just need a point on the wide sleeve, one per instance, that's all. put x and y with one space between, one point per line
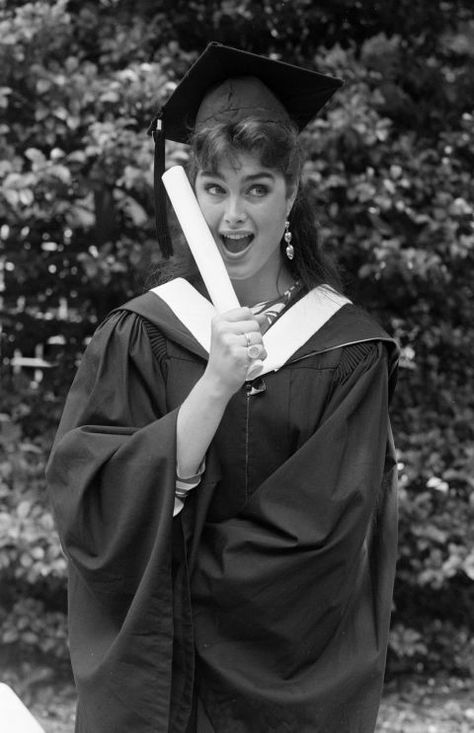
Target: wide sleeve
111 473
112 481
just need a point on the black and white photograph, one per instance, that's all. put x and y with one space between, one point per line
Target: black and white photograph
237 374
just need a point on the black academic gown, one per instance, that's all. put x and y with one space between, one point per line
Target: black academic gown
270 593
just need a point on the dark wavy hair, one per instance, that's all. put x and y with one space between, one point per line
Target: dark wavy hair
277 147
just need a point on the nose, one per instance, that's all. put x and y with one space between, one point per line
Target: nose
234 211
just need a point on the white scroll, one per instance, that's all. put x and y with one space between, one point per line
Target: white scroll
200 240
14 716
202 245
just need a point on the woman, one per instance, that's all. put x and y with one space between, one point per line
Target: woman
232 540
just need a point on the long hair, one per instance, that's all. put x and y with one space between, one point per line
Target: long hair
277 147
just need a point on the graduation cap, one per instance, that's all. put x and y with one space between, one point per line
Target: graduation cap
228 84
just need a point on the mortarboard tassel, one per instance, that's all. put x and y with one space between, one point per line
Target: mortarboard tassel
161 219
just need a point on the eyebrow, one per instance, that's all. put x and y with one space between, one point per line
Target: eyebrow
249 178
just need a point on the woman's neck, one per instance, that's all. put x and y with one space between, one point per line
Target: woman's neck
260 287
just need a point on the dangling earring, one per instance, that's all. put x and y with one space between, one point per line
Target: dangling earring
290 250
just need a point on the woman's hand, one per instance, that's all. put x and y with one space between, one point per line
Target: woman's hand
236 342
233 335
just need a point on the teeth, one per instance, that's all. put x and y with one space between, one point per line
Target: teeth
236 236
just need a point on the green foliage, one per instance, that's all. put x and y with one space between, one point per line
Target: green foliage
389 171
32 566
439 647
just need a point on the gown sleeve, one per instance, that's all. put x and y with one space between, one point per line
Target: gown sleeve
112 482
112 470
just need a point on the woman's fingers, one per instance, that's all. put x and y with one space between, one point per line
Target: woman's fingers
237 314
261 319
237 327
236 345
248 342
240 320
250 338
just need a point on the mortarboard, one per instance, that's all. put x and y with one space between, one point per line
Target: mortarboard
226 83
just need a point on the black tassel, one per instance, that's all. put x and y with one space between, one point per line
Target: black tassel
161 219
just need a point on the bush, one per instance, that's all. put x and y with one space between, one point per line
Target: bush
32 565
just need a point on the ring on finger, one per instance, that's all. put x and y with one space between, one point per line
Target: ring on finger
254 351
247 338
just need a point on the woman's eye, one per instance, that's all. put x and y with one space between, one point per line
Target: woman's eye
259 190
214 189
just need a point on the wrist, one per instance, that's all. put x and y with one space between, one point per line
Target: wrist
214 389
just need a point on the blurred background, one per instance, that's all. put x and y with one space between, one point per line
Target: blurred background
390 172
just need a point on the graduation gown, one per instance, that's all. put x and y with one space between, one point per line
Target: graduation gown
270 593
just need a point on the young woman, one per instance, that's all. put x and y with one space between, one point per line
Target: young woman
231 540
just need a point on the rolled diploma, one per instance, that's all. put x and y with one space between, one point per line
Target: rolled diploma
200 240
14 716
202 245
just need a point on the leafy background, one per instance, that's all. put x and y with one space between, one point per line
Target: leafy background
389 169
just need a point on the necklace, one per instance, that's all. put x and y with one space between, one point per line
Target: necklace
273 307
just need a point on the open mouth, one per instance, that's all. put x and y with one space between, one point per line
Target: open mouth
236 243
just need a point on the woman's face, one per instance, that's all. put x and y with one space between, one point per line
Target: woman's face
245 206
